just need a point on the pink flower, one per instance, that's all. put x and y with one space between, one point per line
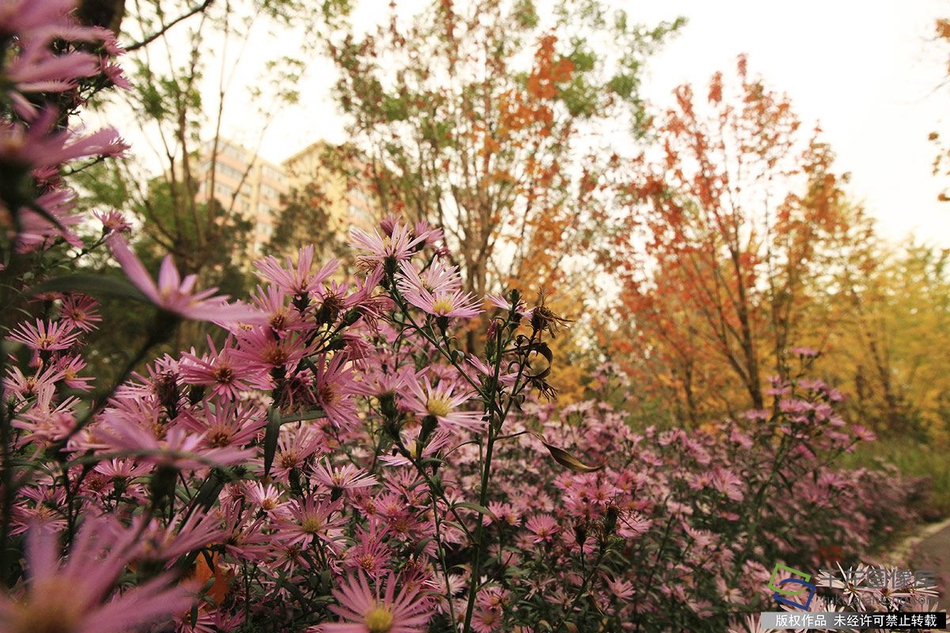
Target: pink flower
335 388
295 280
370 554
79 311
367 612
342 479
36 231
45 336
500 302
438 276
175 295
177 449
543 526
442 403
113 221
35 69
385 252
221 370
225 424
267 499
436 292
38 146
74 596
311 519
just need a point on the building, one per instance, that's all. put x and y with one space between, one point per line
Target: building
243 183
351 201
248 185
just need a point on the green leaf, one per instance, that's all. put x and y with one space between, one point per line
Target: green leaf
271 433
96 285
567 460
477 508
309 415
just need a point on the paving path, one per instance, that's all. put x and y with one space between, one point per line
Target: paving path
930 550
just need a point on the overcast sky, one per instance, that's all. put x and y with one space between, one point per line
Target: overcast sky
868 72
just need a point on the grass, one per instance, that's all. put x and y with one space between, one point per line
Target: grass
914 460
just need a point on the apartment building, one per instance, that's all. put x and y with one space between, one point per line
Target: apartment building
253 187
351 201
244 183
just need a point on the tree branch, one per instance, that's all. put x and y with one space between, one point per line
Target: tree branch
154 36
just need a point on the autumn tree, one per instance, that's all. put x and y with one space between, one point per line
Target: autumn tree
475 116
888 313
725 228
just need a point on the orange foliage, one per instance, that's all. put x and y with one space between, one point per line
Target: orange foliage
723 234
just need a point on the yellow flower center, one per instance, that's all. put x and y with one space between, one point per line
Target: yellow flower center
219 436
443 305
379 620
328 395
312 525
224 375
438 407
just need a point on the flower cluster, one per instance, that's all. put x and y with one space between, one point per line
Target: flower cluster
50 65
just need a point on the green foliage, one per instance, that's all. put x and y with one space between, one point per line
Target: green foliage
307 218
914 460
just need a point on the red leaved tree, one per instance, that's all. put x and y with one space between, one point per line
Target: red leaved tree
726 227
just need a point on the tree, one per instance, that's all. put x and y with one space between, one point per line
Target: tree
307 218
723 238
890 313
476 116
183 57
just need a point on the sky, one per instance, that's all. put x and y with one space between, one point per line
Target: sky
869 73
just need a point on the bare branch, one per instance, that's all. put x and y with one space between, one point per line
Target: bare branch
154 36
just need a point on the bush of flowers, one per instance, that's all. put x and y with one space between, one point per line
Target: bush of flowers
340 462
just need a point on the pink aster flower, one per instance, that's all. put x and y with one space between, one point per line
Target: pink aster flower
225 424
428 234
221 370
342 479
370 552
35 69
37 232
335 388
384 251
173 294
367 612
311 519
113 221
75 596
268 499
445 304
445 299
80 311
502 303
177 449
443 403
40 146
543 526
46 422
295 280
439 276
45 336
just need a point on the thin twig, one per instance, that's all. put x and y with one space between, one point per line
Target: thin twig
181 18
